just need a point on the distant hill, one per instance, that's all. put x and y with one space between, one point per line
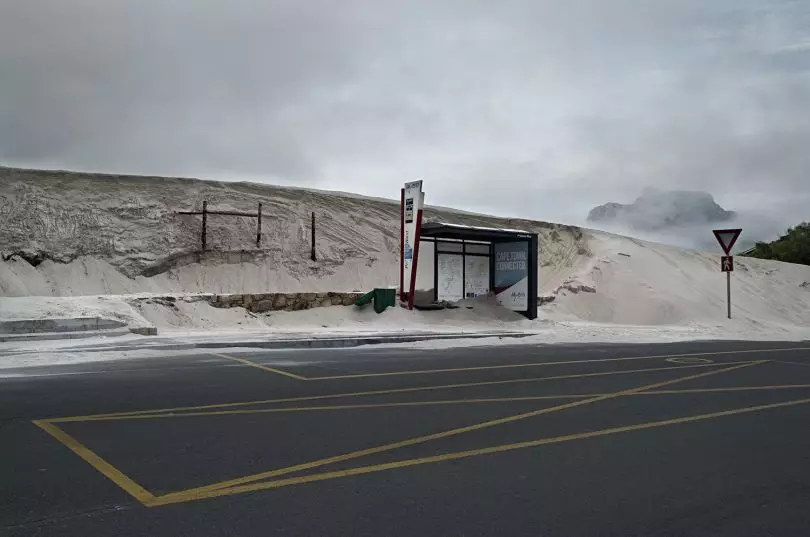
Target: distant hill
792 247
660 209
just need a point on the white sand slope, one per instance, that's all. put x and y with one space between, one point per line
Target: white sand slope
110 235
646 283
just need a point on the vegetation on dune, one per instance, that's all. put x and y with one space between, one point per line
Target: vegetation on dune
792 247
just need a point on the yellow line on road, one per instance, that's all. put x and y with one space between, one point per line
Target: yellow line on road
107 469
260 366
121 415
689 360
342 407
439 402
805 364
202 494
729 389
542 364
445 434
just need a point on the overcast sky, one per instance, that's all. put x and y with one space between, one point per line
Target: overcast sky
538 109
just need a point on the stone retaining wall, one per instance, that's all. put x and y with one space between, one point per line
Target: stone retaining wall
80 324
258 303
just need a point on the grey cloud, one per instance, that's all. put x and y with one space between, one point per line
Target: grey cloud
163 86
527 108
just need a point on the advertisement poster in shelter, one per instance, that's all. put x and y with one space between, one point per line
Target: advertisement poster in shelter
511 276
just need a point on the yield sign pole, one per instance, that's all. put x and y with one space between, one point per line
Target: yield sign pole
727 238
728 293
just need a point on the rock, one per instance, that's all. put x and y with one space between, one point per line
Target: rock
336 300
221 302
348 300
299 305
325 302
280 301
144 330
262 306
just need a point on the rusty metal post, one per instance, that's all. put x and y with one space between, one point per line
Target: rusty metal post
312 254
259 228
204 222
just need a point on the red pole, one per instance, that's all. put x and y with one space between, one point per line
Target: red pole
415 262
402 244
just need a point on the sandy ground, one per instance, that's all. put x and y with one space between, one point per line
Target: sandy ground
106 237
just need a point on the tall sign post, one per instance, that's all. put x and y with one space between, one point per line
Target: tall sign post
413 200
727 238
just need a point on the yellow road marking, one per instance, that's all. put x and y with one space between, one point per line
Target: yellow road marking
729 389
805 364
445 434
342 407
439 402
260 366
202 494
541 364
385 392
107 469
689 360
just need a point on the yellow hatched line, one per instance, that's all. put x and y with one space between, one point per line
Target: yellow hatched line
542 364
202 494
443 434
260 366
249 483
108 470
341 407
482 400
384 392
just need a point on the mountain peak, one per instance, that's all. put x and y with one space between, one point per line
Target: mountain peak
658 209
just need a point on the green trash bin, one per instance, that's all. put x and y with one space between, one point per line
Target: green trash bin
382 297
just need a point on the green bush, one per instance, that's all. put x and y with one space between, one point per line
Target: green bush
793 247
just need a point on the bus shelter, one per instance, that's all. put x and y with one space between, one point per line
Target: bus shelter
470 261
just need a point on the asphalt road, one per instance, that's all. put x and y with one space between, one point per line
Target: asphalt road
523 440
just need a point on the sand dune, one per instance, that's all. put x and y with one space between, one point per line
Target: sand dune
102 234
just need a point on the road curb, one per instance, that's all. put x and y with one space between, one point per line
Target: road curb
348 342
293 343
47 336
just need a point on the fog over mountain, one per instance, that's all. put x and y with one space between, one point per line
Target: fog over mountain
657 209
680 217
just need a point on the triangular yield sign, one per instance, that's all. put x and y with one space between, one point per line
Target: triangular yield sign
727 238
